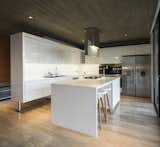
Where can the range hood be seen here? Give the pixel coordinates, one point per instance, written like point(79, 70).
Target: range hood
point(91, 44)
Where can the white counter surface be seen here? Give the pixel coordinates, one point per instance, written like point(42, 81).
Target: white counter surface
point(95, 83)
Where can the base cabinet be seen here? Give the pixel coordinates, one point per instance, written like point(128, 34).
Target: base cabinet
point(36, 89)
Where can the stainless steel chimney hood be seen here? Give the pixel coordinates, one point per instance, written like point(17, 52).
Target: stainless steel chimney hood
point(91, 44)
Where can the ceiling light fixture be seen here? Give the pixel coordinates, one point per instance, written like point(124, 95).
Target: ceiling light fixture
point(117, 58)
point(125, 34)
point(30, 17)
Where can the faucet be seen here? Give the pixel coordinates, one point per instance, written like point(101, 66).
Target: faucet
point(84, 73)
point(56, 72)
point(49, 73)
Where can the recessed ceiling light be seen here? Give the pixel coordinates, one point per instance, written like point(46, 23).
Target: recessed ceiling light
point(82, 40)
point(125, 34)
point(116, 58)
point(30, 17)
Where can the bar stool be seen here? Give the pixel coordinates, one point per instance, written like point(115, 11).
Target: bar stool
point(102, 101)
point(108, 91)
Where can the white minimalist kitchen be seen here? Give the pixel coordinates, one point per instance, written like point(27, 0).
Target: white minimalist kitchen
point(42, 68)
point(79, 73)
point(78, 86)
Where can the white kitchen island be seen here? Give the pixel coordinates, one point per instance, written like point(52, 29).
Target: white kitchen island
point(74, 103)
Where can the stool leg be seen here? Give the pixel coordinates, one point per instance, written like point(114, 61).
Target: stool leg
point(105, 109)
point(99, 114)
point(108, 102)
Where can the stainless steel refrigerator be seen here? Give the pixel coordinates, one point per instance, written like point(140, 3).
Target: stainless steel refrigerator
point(136, 78)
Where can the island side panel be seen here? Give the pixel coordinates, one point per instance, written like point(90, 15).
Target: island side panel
point(115, 92)
point(75, 107)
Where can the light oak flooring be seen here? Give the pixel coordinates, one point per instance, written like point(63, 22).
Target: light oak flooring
point(134, 124)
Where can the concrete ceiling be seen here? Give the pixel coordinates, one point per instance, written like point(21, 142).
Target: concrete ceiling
point(66, 19)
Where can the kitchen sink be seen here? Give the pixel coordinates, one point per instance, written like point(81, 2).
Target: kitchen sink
point(92, 77)
point(53, 76)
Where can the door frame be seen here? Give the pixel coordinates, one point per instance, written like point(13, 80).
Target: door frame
point(157, 108)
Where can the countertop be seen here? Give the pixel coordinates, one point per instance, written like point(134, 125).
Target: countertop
point(45, 78)
point(93, 83)
point(113, 75)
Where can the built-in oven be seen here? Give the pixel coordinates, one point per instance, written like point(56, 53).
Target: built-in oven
point(111, 70)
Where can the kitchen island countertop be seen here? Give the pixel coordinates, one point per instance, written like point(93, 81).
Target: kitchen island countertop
point(74, 102)
point(94, 83)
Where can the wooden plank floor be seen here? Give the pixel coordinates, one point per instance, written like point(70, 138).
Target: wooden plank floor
point(134, 124)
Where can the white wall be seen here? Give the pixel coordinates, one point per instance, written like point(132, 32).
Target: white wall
point(34, 71)
point(114, 54)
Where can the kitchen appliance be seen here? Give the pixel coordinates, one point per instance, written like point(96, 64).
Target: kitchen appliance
point(91, 43)
point(108, 69)
point(136, 79)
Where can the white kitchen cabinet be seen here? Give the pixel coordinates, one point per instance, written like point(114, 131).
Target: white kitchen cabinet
point(112, 55)
point(39, 50)
point(91, 60)
point(35, 89)
point(27, 48)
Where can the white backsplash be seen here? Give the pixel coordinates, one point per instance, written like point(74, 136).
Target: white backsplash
point(38, 71)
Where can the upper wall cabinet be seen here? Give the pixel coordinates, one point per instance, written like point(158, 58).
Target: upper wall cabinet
point(37, 51)
point(112, 55)
point(40, 50)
